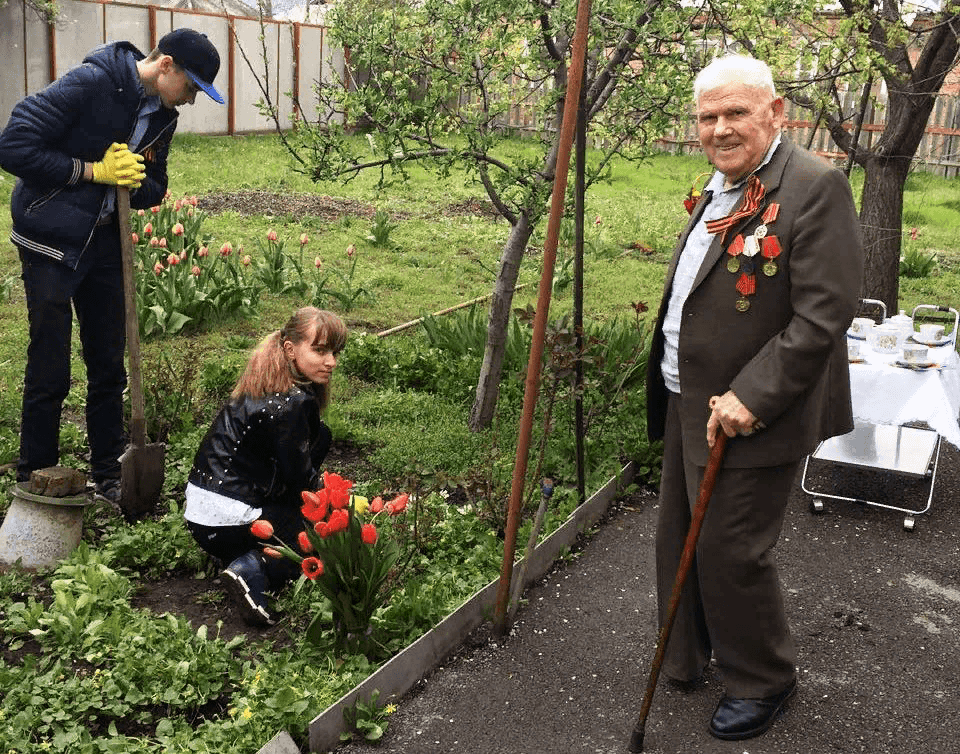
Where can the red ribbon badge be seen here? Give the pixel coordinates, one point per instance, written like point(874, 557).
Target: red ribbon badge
point(771, 247)
point(747, 284)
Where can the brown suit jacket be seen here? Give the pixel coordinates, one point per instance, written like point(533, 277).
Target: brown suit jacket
point(785, 357)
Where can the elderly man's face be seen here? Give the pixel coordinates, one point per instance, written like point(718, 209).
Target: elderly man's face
point(737, 126)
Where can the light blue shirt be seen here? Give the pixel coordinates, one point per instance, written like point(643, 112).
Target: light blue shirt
point(691, 258)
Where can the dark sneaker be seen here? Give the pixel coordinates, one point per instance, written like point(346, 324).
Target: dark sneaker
point(108, 491)
point(246, 580)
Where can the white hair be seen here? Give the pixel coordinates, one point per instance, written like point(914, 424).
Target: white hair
point(729, 69)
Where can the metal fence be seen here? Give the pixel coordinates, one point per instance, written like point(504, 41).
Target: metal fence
point(298, 55)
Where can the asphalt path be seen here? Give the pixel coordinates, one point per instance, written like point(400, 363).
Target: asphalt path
point(875, 611)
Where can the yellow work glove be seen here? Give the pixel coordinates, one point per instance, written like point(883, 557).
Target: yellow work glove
point(120, 167)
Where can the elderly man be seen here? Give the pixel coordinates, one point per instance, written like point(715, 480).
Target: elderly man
point(750, 342)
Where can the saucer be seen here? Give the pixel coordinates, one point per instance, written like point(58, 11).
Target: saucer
point(918, 366)
point(933, 343)
point(855, 336)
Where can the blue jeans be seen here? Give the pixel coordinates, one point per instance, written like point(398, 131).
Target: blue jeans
point(95, 290)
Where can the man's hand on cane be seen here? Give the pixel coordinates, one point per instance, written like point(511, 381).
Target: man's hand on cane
point(730, 415)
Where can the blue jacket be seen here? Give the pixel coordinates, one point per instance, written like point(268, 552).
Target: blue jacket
point(51, 133)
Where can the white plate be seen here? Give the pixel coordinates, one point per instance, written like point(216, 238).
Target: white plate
point(934, 343)
point(919, 366)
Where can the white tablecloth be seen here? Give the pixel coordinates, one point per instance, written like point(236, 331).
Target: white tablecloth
point(884, 393)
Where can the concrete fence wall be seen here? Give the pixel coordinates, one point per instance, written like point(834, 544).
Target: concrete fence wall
point(35, 53)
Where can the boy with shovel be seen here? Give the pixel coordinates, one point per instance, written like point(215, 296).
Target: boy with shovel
point(105, 123)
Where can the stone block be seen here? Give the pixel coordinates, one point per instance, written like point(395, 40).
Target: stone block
point(57, 481)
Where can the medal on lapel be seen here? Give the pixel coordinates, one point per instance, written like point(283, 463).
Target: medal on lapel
point(741, 253)
point(733, 251)
point(770, 245)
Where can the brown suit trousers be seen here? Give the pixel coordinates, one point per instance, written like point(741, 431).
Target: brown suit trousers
point(732, 593)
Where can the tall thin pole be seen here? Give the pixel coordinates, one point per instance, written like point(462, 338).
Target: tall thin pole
point(580, 191)
point(531, 387)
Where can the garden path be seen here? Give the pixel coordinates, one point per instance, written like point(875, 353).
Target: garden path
point(875, 612)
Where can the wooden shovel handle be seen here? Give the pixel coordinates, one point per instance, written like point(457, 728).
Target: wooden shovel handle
point(138, 422)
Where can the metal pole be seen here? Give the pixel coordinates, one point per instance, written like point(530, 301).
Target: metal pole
point(531, 387)
point(580, 191)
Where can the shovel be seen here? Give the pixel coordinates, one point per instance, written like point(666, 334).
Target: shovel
point(141, 465)
point(686, 560)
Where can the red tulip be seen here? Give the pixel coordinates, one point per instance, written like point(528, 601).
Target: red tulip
point(397, 505)
point(304, 541)
point(271, 552)
point(177, 229)
point(271, 235)
point(339, 521)
point(312, 567)
point(368, 533)
point(261, 529)
point(315, 505)
point(376, 505)
point(338, 489)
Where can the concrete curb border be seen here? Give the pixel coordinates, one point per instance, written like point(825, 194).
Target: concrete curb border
point(398, 675)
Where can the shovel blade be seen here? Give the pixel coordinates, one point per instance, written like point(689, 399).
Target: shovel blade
point(141, 479)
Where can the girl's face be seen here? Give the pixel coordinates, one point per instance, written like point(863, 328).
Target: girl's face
point(316, 361)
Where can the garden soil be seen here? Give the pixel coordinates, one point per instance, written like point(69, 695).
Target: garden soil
point(875, 611)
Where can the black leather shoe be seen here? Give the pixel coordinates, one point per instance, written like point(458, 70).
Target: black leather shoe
point(737, 719)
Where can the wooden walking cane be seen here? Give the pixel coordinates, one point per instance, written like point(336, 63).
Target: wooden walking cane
point(686, 560)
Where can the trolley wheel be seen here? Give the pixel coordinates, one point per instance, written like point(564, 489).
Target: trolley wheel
point(816, 506)
point(909, 523)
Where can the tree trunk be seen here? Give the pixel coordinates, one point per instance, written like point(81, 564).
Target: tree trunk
point(488, 386)
point(881, 221)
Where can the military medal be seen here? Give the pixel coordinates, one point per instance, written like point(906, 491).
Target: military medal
point(770, 251)
point(734, 250)
point(742, 250)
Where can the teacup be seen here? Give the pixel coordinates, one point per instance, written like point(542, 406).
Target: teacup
point(914, 354)
point(885, 338)
point(931, 333)
point(853, 351)
point(861, 326)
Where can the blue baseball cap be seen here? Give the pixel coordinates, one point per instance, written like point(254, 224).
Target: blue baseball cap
point(196, 55)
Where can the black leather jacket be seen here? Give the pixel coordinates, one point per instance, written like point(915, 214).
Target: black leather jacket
point(264, 451)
